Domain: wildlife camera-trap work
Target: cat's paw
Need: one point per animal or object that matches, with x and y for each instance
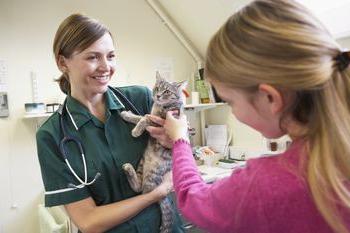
(164, 230)
(125, 114)
(128, 168)
(136, 132)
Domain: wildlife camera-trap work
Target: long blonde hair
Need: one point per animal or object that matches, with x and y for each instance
(279, 42)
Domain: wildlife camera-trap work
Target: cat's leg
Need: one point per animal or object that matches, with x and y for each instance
(141, 122)
(130, 117)
(139, 170)
(141, 126)
(134, 179)
(167, 215)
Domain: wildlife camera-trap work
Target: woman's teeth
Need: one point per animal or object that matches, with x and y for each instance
(101, 78)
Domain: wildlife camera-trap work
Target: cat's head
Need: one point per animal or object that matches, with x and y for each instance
(167, 93)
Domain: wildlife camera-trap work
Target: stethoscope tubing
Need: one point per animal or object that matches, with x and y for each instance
(66, 138)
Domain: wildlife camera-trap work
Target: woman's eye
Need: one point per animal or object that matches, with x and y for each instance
(111, 56)
(92, 57)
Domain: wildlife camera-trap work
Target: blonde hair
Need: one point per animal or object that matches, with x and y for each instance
(279, 42)
(76, 33)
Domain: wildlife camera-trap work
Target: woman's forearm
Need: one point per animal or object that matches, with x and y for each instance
(90, 218)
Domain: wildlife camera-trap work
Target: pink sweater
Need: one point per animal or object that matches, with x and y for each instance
(268, 195)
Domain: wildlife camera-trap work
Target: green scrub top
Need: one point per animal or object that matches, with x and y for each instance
(107, 146)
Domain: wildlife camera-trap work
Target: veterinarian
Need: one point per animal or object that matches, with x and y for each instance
(82, 147)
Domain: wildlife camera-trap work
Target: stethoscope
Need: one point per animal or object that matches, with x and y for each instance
(69, 138)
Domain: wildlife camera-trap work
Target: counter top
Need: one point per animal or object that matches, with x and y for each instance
(211, 173)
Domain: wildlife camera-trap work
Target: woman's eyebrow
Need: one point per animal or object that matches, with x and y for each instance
(96, 52)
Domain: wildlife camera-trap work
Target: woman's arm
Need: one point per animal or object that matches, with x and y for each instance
(90, 218)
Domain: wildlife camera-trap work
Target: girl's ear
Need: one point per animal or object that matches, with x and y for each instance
(272, 97)
(61, 63)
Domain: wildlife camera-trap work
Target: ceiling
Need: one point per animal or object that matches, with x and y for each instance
(199, 19)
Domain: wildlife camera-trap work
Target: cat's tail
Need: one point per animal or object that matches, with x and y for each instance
(167, 215)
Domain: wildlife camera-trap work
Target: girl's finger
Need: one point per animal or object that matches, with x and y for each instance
(155, 130)
(158, 120)
(169, 115)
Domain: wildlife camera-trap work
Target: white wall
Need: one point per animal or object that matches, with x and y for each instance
(200, 19)
(344, 42)
(27, 31)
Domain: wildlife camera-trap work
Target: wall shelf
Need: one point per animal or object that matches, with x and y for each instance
(37, 115)
(39, 118)
(201, 107)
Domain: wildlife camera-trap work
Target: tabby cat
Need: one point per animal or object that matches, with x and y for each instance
(156, 160)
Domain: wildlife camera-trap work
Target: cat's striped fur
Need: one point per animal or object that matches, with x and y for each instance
(156, 160)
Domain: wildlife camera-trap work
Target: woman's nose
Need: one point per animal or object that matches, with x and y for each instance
(104, 65)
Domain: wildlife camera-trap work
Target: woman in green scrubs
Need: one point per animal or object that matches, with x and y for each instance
(84, 52)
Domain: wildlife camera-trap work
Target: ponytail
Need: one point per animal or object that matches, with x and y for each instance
(64, 84)
(328, 168)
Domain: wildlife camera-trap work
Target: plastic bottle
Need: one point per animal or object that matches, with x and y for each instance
(202, 88)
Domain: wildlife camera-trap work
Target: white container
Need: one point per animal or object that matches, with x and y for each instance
(237, 153)
(35, 108)
(211, 159)
(195, 97)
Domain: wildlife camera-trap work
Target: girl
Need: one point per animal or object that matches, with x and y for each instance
(281, 73)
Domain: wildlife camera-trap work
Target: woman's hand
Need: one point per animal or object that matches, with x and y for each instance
(158, 132)
(176, 128)
(166, 186)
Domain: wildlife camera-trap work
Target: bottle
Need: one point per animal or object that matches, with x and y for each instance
(202, 88)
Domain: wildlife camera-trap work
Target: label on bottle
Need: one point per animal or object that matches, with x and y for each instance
(202, 88)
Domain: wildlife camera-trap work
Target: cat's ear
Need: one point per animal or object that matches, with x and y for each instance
(158, 77)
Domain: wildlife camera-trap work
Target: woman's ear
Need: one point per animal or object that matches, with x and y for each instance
(272, 98)
(61, 63)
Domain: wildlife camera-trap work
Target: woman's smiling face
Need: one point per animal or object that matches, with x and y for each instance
(91, 70)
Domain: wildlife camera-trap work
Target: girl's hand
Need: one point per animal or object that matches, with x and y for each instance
(176, 128)
(159, 132)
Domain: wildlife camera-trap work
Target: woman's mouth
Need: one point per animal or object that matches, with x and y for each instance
(101, 78)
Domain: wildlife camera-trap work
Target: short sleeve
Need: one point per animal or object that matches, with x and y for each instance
(149, 99)
(55, 172)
